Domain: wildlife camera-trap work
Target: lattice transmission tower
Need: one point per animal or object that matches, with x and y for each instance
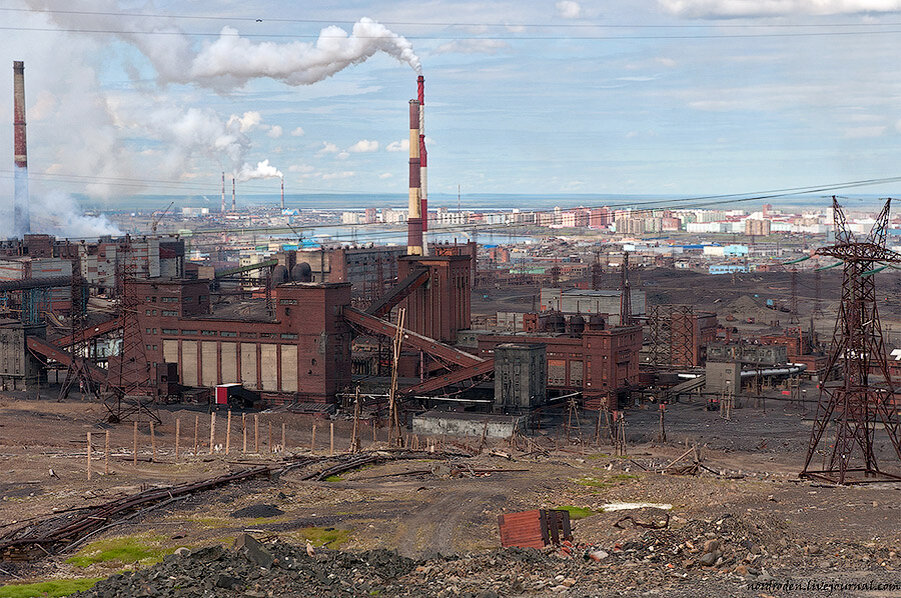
(864, 396)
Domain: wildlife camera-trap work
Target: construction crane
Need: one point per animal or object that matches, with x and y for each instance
(159, 216)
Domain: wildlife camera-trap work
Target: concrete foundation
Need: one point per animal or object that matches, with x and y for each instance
(437, 423)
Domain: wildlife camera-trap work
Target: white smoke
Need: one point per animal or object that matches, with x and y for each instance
(58, 213)
(263, 170)
(231, 60)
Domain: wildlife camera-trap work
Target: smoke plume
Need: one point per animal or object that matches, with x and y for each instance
(263, 170)
(231, 60)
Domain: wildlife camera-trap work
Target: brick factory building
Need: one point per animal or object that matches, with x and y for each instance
(302, 352)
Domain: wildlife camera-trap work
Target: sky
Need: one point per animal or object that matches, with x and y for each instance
(674, 97)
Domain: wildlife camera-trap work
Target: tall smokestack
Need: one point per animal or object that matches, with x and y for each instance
(21, 219)
(423, 166)
(283, 194)
(233, 195)
(222, 206)
(414, 218)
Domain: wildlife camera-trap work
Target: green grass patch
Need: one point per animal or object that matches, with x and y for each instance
(52, 589)
(597, 456)
(325, 536)
(144, 549)
(576, 512)
(593, 482)
(334, 478)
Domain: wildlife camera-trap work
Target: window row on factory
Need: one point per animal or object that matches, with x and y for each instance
(225, 333)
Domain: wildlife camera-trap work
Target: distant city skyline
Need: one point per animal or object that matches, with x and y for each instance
(664, 97)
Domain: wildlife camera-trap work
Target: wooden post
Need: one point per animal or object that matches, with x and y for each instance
(177, 436)
(355, 434)
(134, 452)
(212, 430)
(152, 443)
(228, 432)
(106, 454)
(313, 439)
(244, 433)
(331, 439)
(256, 433)
(374, 437)
(269, 425)
(196, 427)
(284, 446)
(89, 456)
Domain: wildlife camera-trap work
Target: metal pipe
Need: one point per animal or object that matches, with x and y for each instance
(21, 218)
(791, 369)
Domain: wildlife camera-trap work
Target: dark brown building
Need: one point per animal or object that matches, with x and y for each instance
(301, 353)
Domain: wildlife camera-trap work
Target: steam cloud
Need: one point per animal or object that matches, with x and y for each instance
(231, 60)
(56, 213)
(263, 170)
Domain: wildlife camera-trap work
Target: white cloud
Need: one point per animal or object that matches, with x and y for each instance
(364, 146)
(344, 174)
(275, 131)
(569, 9)
(385, 175)
(399, 146)
(343, 155)
(328, 148)
(300, 168)
(864, 132)
(761, 8)
(472, 46)
(247, 121)
(298, 132)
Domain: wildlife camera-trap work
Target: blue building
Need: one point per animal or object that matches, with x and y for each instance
(727, 268)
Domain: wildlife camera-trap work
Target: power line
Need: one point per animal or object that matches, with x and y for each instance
(508, 36)
(699, 202)
(506, 24)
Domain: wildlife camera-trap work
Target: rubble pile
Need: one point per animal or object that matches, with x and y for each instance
(727, 555)
(255, 569)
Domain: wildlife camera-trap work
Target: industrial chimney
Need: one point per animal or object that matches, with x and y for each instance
(283, 194)
(222, 205)
(21, 219)
(423, 166)
(233, 194)
(414, 217)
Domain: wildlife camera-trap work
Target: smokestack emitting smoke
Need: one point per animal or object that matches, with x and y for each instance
(233, 194)
(414, 218)
(21, 220)
(222, 206)
(423, 159)
(283, 194)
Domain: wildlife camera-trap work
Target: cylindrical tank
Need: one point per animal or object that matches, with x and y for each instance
(576, 325)
(279, 275)
(596, 322)
(556, 323)
(301, 272)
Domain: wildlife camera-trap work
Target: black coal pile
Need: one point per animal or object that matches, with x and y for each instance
(257, 511)
(256, 569)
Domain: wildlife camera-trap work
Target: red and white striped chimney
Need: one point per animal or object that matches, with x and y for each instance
(414, 216)
(423, 166)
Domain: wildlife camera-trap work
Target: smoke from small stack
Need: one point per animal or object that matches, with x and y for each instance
(21, 219)
(414, 217)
